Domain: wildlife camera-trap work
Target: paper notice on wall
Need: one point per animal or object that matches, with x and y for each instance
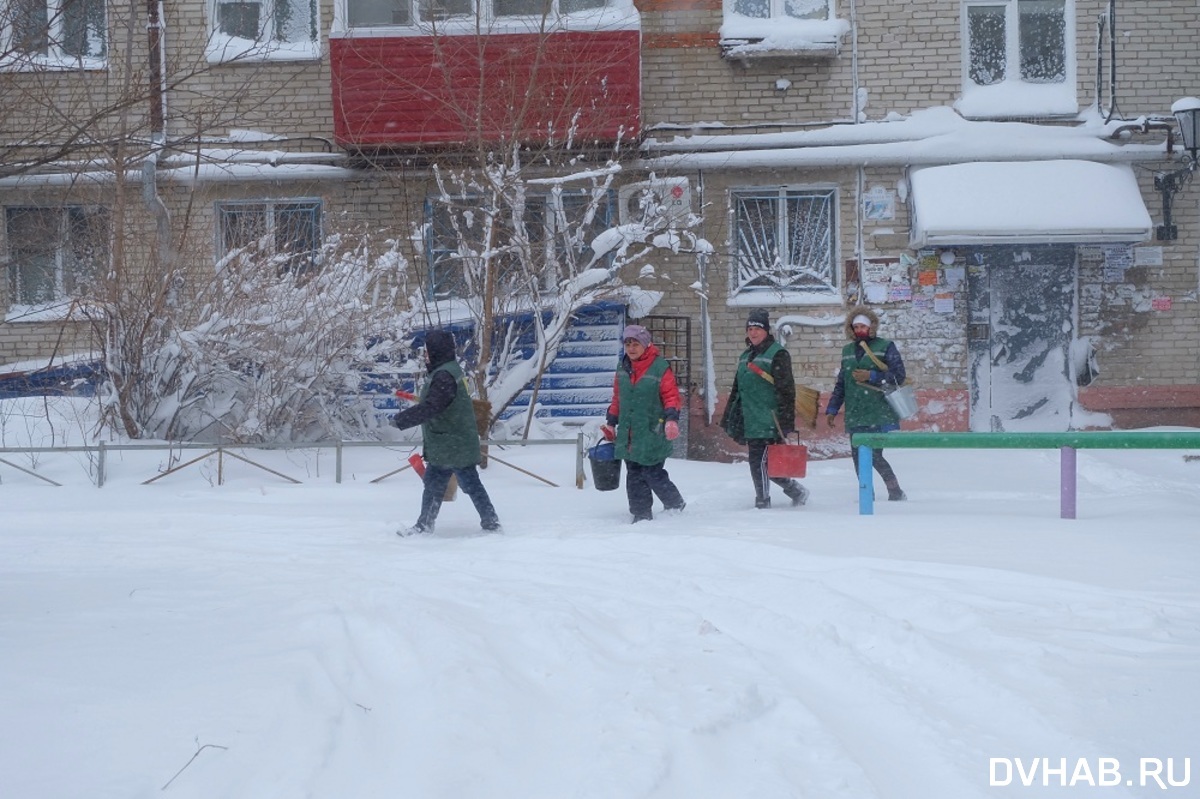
(1114, 273)
(875, 292)
(1147, 256)
(943, 303)
(899, 292)
(927, 277)
(1160, 304)
(954, 275)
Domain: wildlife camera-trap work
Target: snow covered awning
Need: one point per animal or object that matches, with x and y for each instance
(1033, 202)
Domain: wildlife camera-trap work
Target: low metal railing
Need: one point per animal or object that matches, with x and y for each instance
(101, 450)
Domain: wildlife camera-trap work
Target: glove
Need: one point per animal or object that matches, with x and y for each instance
(405, 395)
(829, 417)
(671, 430)
(608, 432)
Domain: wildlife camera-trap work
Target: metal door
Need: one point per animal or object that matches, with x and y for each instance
(1022, 312)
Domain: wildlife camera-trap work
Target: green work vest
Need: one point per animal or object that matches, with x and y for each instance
(757, 394)
(640, 416)
(865, 407)
(451, 438)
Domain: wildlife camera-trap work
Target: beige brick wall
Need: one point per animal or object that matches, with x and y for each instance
(909, 57)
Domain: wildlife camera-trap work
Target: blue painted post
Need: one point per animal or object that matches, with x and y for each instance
(866, 495)
(1066, 479)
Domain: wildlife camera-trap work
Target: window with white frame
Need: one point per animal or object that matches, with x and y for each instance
(783, 9)
(383, 13)
(555, 239)
(784, 240)
(54, 253)
(1021, 45)
(284, 233)
(66, 32)
(273, 29)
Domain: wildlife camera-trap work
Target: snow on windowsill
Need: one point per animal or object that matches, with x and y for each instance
(769, 297)
(67, 310)
(750, 38)
(223, 49)
(617, 16)
(1015, 99)
(17, 62)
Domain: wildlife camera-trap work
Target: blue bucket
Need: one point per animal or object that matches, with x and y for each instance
(606, 469)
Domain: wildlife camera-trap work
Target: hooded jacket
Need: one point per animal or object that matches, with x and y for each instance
(866, 407)
(444, 412)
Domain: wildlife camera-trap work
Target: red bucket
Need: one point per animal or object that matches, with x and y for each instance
(787, 460)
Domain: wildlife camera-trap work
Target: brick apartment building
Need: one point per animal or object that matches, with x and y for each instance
(983, 172)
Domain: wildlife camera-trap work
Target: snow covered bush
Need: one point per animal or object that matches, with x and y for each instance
(272, 349)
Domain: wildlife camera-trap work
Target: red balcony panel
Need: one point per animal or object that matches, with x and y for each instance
(405, 91)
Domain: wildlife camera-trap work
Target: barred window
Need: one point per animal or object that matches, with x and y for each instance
(285, 232)
(784, 240)
(553, 241)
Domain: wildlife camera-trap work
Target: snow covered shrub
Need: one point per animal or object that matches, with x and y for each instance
(272, 349)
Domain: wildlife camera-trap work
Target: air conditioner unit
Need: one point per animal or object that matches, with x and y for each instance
(671, 197)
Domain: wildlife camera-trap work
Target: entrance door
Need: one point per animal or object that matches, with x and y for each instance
(1022, 312)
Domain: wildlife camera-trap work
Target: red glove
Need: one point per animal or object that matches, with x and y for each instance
(671, 429)
(609, 433)
(405, 395)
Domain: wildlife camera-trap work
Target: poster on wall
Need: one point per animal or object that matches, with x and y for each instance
(885, 280)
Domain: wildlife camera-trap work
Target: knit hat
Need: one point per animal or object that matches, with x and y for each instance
(759, 318)
(637, 333)
(861, 319)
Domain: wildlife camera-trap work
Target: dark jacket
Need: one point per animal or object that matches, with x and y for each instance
(762, 402)
(445, 413)
(866, 407)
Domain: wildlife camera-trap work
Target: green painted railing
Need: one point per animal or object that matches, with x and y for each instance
(1076, 439)
(1066, 443)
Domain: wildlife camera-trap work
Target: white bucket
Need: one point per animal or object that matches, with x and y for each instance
(903, 401)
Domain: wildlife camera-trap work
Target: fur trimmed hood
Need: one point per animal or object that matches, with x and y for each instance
(861, 310)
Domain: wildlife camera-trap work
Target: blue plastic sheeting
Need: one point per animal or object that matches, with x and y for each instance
(74, 380)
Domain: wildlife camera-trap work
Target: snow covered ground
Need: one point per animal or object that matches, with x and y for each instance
(263, 639)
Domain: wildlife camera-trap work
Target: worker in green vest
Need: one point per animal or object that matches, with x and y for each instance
(762, 406)
(869, 364)
(643, 422)
(451, 438)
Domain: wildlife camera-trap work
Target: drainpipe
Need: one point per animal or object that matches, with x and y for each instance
(856, 107)
(158, 135)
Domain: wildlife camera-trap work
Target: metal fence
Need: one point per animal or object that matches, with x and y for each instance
(99, 453)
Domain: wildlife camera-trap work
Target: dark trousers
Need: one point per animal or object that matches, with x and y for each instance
(882, 466)
(758, 472)
(437, 478)
(643, 483)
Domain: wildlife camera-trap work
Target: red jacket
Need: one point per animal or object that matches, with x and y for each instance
(668, 389)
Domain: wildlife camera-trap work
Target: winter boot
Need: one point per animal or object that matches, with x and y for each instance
(643, 517)
(895, 493)
(797, 493)
(762, 503)
(419, 528)
(491, 524)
